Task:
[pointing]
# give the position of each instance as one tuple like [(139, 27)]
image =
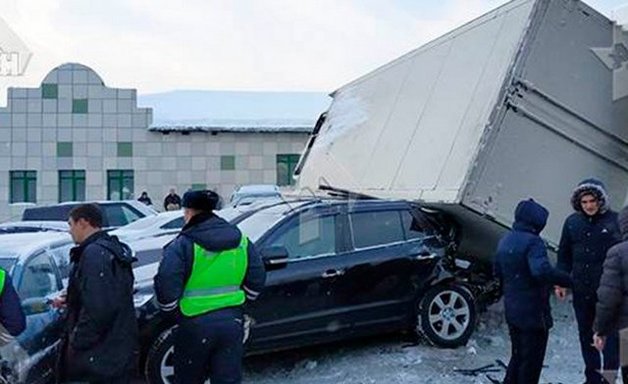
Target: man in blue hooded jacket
[(587, 235), (526, 276)]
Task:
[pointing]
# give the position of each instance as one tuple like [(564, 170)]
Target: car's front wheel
[(159, 367), (447, 315)]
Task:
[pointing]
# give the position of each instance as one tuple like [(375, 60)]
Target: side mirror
[(35, 305), (275, 257)]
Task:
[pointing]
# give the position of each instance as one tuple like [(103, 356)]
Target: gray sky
[(160, 45)]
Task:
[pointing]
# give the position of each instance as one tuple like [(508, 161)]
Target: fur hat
[(204, 200), (590, 187)]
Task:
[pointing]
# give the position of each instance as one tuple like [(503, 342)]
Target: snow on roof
[(233, 111)]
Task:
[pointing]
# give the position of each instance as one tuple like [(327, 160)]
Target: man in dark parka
[(587, 236)]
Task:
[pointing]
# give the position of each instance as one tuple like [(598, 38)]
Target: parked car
[(115, 213), (33, 226), (39, 265), (338, 269), (171, 222), (247, 194), (161, 224)]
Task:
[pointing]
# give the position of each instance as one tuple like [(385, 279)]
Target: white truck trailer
[(524, 101)]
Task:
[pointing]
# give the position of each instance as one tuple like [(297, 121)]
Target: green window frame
[(65, 149), (49, 91), (125, 149), (120, 184), (79, 106), (71, 185), (286, 164), (227, 163), (23, 186)]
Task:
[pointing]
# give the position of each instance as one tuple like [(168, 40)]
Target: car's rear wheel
[(446, 316)]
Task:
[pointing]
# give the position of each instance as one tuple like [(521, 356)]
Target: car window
[(119, 215), (412, 228), (38, 278), (376, 228), (61, 257), (174, 224), (307, 236)]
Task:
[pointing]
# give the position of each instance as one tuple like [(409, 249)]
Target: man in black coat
[(526, 276), (101, 336), (205, 276), (172, 201), (611, 313), (587, 235)]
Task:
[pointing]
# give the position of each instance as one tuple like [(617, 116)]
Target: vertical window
[(49, 91), (71, 185), (79, 106), (120, 184), (286, 164), (23, 186), (125, 149), (227, 163), (64, 149)]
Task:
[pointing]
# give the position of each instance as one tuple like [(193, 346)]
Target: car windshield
[(147, 222), (258, 223)]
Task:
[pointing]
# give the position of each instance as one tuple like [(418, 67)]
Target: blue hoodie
[(525, 272)]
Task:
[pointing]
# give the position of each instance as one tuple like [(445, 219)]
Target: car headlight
[(139, 299)]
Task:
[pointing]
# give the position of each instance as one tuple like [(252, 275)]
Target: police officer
[(12, 319), (205, 275)]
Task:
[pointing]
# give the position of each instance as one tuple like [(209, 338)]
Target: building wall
[(34, 123)]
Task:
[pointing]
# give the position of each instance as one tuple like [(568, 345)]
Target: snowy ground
[(390, 359)]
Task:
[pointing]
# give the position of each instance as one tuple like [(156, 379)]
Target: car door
[(38, 279), (294, 308), (383, 271)]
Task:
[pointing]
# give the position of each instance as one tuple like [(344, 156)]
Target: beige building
[(74, 139)]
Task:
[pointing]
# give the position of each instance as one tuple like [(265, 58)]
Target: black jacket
[(525, 271), (611, 313), (213, 234), (101, 338), (586, 239), (172, 199)]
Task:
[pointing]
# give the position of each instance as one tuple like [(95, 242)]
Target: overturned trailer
[(524, 101)]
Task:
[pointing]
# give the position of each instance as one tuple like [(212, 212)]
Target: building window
[(49, 91), (120, 184), (23, 186), (64, 149), (286, 164), (71, 185), (79, 106), (125, 149), (199, 187), (227, 163)]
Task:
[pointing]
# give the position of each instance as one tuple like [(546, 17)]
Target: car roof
[(44, 224), (258, 188), (65, 208), (23, 244)]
